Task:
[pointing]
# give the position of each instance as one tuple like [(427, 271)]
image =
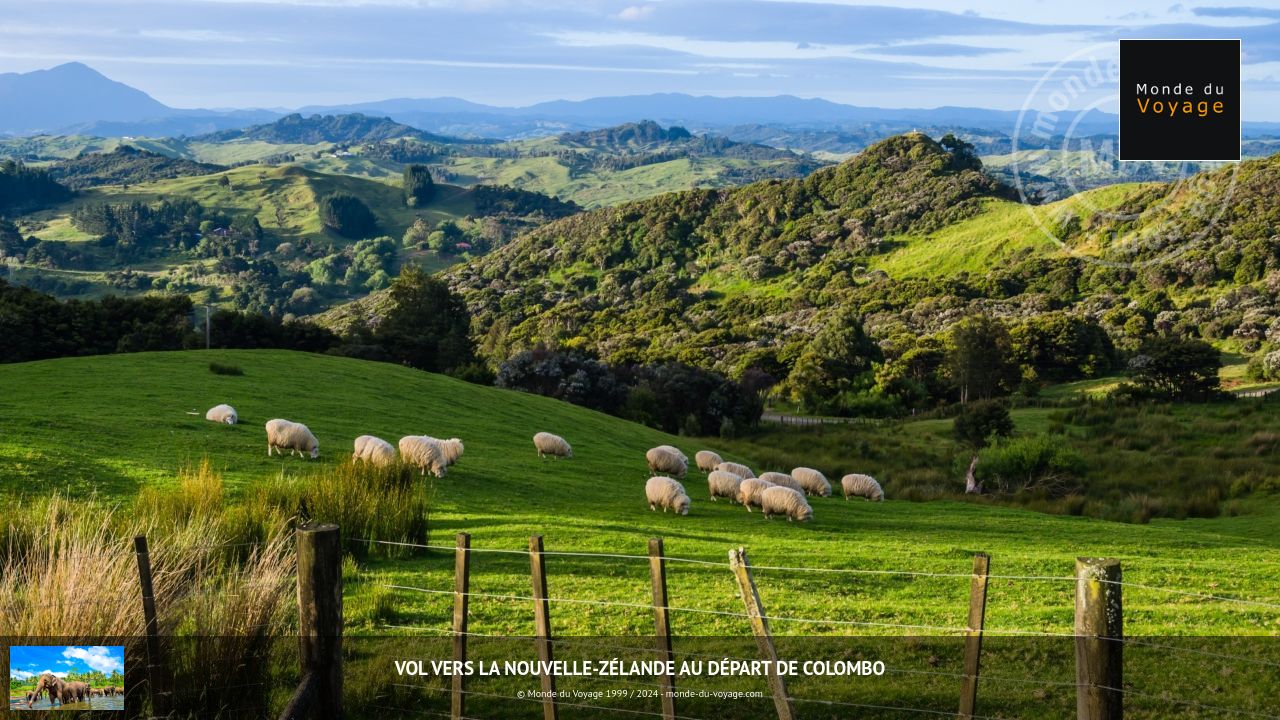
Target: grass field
[(105, 427), (999, 232)]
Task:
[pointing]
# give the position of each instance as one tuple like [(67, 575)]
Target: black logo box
[(1186, 65)]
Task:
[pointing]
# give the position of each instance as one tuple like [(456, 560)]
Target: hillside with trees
[(348, 128), (778, 280), (126, 165)]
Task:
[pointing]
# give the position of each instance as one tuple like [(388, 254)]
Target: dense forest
[(25, 189)]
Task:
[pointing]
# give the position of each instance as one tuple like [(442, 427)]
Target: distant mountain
[(67, 95), (188, 122), (348, 128), (628, 135)]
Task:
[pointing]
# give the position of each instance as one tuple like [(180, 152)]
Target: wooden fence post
[(973, 635), (320, 617), (662, 625), (542, 627), (1099, 640), (461, 586), (160, 700), (760, 627)]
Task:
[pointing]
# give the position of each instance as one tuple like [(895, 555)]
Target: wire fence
[(825, 625)]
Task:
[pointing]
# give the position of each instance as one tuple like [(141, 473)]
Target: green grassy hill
[(107, 426)]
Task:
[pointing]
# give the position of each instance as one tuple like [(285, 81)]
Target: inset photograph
[(66, 677)]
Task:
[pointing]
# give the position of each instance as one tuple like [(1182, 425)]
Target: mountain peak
[(69, 94)]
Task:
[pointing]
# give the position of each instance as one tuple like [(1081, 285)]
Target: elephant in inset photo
[(64, 692)]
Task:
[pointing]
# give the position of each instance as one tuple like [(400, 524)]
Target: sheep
[(783, 479), (738, 469), (424, 453), (452, 450), (373, 450), (863, 486), (749, 491), (723, 484), (552, 445), (813, 482), (676, 451), (707, 460), (222, 414), (667, 459), (666, 493), (785, 501), (295, 437)]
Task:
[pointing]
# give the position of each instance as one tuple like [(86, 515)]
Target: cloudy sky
[(30, 661), (904, 53)]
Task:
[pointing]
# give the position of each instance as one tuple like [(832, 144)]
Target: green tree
[(974, 427), (427, 326), (980, 358), (1174, 368), (418, 186), (347, 215), (840, 353)]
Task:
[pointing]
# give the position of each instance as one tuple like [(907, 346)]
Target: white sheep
[(373, 450), (723, 484), (295, 437), (424, 453), (785, 501), (863, 486), (813, 482), (452, 450), (222, 414), (738, 469), (666, 459), (749, 492), (707, 460), (783, 479), (677, 451), (552, 445), (666, 493)]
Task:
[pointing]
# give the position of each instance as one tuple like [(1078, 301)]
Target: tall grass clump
[(369, 503)]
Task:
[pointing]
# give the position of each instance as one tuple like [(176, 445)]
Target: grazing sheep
[(668, 494), (783, 479), (666, 459), (749, 492), (785, 501), (677, 451), (222, 414), (552, 445), (707, 460), (738, 469), (863, 486), (373, 450), (424, 453), (452, 450), (295, 437), (812, 481), (723, 484)]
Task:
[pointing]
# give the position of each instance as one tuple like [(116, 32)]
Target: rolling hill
[(909, 236), (501, 493)]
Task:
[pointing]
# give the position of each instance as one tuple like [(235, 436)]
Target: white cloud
[(97, 657), (635, 12)]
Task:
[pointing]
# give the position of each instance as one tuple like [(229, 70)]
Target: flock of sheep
[(775, 493), (426, 453)]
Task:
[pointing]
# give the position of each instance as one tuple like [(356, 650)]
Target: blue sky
[(908, 53), (35, 660)]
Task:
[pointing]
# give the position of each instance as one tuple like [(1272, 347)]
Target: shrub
[(1033, 463), (347, 215)]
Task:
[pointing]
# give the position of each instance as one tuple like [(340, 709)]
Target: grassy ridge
[(110, 425)]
